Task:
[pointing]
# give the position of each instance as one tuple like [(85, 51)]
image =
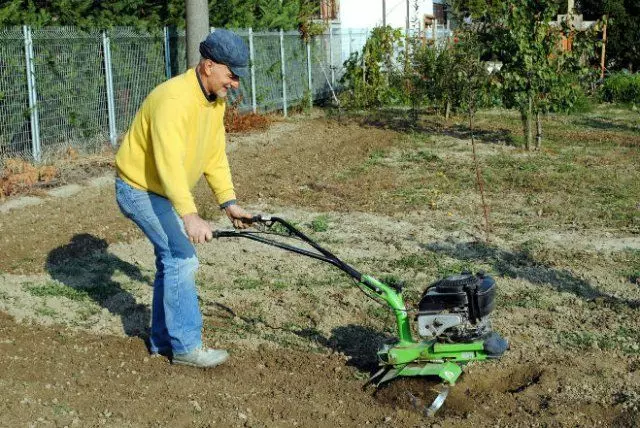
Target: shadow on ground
[(521, 265), (607, 125), (405, 121), (357, 342), (85, 265)]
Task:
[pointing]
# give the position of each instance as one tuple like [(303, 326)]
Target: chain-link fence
[(62, 87)]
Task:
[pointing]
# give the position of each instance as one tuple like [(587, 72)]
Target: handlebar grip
[(259, 219)]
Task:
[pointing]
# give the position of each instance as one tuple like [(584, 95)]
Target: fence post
[(333, 74), (167, 53), (254, 105), (33, 95), (106, 46), (309, 82), (435, 31), (284, 77)]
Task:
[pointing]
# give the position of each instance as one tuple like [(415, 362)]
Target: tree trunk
[(527, 125), (197, 14), (447, 111), (538, 130), (528, 136)]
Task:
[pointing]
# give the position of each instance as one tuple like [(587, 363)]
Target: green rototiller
[(452, 316)]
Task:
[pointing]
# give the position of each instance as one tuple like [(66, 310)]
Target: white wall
[(368, 13)]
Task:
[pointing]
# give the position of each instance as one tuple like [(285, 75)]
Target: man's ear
[(207, 65)]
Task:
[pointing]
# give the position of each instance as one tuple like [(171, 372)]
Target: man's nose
[(235, 84)]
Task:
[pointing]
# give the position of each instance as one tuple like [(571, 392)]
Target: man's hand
[(239, 217), (197, 229)]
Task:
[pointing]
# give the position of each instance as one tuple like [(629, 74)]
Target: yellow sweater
[(176, 136)]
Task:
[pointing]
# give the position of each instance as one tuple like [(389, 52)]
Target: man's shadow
[(85, 265)]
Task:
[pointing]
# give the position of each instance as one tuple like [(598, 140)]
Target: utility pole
[(384, 13), (197, 28)]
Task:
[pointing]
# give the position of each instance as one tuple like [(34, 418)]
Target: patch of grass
[(419, 196), (456, 267), (87, 312), (420, 156), (280, 229), (378, 312), (525, 298), (624, 339), (247, 283), (375, 158), (577, 340), (280, 285), (413, 261), (320, 223), (46, 311), (54, 289), (61, 409)]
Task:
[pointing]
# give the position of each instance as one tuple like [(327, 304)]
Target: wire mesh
[(15, 137), (268, 70), (177, 55), (347, 41), (71, 88), (295, 55), (320, 67), (241, 97), (138, 66)]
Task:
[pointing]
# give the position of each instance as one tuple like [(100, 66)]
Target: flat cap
[(226, 47)]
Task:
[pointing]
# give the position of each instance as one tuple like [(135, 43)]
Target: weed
[(392, 280), (54, 289), (419, 196), (46, 311), (525, 298), (421, 156), (577, 339), (320, 223), (247, 283), (280, 285), (375, 158), (87, 312), (378, 312), (624, 339), (61, 409), (412, 261), (456, 267)]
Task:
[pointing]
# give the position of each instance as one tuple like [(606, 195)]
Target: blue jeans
[(176, 322)]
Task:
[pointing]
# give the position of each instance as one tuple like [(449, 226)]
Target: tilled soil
[(75, 279)]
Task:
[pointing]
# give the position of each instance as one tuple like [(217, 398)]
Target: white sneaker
[(202, 357)]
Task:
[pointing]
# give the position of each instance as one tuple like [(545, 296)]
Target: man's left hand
[(238, 216)]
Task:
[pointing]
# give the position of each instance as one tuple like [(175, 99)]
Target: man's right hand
[(197, 229)]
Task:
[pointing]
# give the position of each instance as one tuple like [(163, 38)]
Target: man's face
[(219, 79)]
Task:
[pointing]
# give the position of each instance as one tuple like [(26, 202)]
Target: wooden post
[(604, 46)]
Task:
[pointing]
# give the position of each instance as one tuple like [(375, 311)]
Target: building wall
[(368, 13)]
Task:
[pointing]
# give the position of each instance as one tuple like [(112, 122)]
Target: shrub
[(621, 88)]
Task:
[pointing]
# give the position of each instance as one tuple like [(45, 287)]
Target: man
[(176, 137)]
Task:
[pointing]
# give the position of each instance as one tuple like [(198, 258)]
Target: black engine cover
[(474, 294)]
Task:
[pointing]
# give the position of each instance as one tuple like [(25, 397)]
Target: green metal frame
[(424, 358)]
